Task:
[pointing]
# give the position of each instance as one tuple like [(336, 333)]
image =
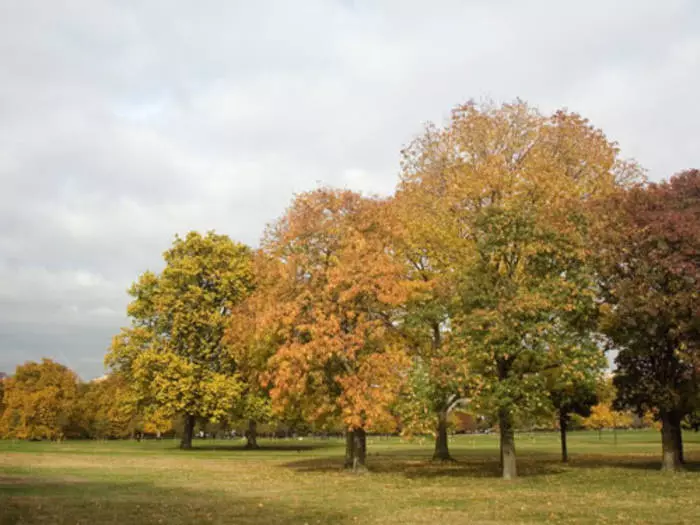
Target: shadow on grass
[(292, 447), (69, 500), (625, 462), (415, 469), (483, 466)]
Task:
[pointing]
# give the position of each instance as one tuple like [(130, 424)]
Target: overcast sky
[(124, 122)]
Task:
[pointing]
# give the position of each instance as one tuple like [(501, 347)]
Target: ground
[(293, 481)]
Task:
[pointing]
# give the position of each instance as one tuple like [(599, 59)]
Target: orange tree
[(250, 342), (502, 189), (648, 244), (336, 292)]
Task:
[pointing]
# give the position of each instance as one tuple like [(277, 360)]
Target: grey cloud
[(124, 122)]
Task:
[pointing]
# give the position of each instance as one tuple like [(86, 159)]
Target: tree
[(106, 408), (576, 398), (173, 354), (503, 190), (2, 393), (573, 389), (439, 378), (648, 244), (337, 288), (38, 401), (250, 345)]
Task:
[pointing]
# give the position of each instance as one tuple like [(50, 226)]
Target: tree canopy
[(173, 353)]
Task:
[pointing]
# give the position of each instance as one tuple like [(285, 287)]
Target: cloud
[(123, 123)]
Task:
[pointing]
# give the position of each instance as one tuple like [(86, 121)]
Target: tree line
[(517, 249)]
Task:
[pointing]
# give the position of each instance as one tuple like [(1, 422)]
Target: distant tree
[(39, 399), (107, 408), (2, 394), (649, 241), (173, 354)]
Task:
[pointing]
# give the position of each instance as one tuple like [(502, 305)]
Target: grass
[(293, 481)]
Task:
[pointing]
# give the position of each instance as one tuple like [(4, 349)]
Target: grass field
[(292, 481)]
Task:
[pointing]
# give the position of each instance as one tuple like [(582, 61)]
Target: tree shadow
[(645, 462), (474, 465), (426, 469), (32, 500), (292, 447)]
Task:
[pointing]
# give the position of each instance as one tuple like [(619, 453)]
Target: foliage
[(503, 191), (603, 416), (38, 401), (173, 353), (650, 272), (333, 306)]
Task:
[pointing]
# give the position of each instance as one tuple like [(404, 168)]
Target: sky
[(125, 122)]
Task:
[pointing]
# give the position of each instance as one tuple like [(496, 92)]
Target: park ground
[(301, 481)]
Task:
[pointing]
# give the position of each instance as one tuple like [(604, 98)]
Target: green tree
[(174, 354), (39, 400), (571, 398), (439, 380), (648, 245), (503, 190)]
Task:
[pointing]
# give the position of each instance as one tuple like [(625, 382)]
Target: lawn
[(293, 481)]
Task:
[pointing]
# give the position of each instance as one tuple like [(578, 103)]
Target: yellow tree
[(39, 400), (173, 354), (337, 291), (500, 195)]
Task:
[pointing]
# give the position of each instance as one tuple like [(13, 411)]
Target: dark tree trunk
[(187, 433), (251, 435), (508, 464), (671, 442), (359, 457), (679, 441), (442, 451), (563, 421), (349, 449)]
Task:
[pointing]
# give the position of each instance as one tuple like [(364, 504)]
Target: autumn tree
[(173, 352), (603, 414), (439, 379), (39, 400), (251, 342), (648, 244), (2, 394), (503, 191), (107, 408), (336, 293)]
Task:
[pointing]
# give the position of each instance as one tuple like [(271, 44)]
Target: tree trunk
[(563, 420), (251, 435), (679, 441), (188, 432), (671, 442), (442, 451), (359, 459), (349, 449), (508, 464)]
